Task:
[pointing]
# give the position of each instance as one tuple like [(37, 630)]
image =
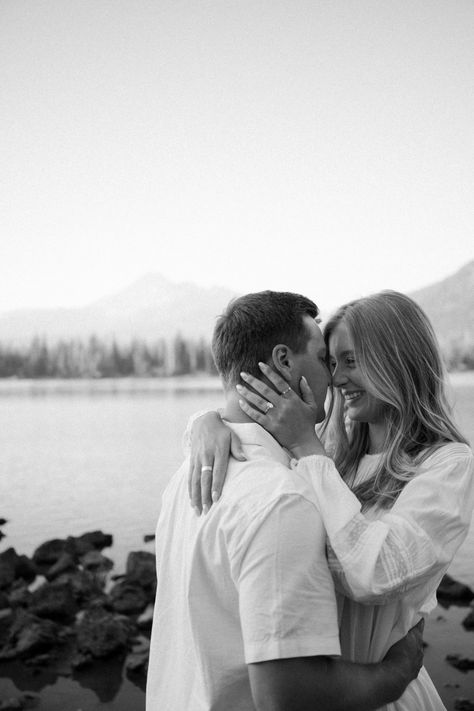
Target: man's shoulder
[(261, 481)]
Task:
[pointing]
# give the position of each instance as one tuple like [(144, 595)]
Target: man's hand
[(406, 656)]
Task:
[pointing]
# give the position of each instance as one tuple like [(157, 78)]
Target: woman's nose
[(338, 378)]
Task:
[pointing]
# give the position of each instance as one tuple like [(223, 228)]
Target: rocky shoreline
[(63, 612)]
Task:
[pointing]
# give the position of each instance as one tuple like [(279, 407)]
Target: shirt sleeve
[(417, 537), (286, 593)]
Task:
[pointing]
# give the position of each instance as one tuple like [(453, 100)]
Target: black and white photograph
[(236, 355)]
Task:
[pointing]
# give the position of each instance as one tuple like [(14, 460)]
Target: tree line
[(100, 358)]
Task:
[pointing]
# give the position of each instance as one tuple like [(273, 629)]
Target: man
[(245, 613)]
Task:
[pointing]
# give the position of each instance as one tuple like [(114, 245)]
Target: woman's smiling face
[(348, 378)]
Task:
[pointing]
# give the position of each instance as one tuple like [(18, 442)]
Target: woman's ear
[(282, 361)]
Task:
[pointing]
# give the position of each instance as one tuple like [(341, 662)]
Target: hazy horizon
[(317, 147)]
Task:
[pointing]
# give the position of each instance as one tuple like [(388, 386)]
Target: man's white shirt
[(248, 582)]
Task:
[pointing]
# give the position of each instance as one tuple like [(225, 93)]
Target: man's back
[(247, 583)]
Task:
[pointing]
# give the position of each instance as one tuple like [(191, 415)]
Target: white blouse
[(388, 563)]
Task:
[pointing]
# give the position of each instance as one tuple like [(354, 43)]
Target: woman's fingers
[(307, 393), (218, 476), (195, 493), (258, 402), (267, 393), (207, 476), (252, 412), (280, 384)]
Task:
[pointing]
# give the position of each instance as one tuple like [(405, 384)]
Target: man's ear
[(282, 361)]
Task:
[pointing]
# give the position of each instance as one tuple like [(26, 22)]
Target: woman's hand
[(291, 419), (212, 443)]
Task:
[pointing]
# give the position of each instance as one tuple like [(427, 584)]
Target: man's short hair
[(252, 325)]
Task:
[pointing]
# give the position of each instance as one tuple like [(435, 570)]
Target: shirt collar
[(252, 434)]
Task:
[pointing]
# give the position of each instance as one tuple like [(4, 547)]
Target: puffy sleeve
[(413, 540)]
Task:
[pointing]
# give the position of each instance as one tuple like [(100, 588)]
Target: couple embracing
[(305, 583)]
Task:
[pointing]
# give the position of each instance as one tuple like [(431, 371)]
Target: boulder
[(29, 635), (461, 663), (13, 567), (101, 633), (4, 601), (86, 586), (128, 598), (55, 601), (96, 562), (66, 562), (92, 541), (19, 595), (463, 705), (141, 569), (468, 622), (49, 552), (452, 591)]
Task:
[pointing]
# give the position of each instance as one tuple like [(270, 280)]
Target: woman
[(397, 500)]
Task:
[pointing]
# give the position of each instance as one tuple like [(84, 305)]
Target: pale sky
[(325, 147)]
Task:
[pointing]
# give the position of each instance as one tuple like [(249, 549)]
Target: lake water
[(81, 456)]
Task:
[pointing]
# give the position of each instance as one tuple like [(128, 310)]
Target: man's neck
[(232, 410)]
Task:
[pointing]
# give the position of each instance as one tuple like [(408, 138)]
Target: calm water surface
[(82, 456)]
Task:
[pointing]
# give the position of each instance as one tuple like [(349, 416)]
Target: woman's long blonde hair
[(397, 352)]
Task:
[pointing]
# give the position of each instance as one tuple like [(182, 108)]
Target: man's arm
[(325, 684)]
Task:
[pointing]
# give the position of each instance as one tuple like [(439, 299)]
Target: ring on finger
[(206, 468), (268, 406), (287, 390)]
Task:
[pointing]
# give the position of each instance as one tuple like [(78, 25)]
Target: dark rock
[(461, 663), (13, 566), (451, 590), (25, 569), (6, 621), (86, 586), (3, 521), (4, 601), (96, 562), (137, 662), (49, 552), (145, 621), (81, 660), (463, 705), (55, 601), (148, 537), (65, 563), (19, 596), (7, 568), (27, 700), (468, 622), (41, 660), (95, 540), (101, 633), (28, 636), (128, 598), (12, 704), (141, 569)]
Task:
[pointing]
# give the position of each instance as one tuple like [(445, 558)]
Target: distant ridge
[(450, 306), (154, 307), (150, 308)]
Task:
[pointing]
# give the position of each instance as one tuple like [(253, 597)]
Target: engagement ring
[(268, 407)]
